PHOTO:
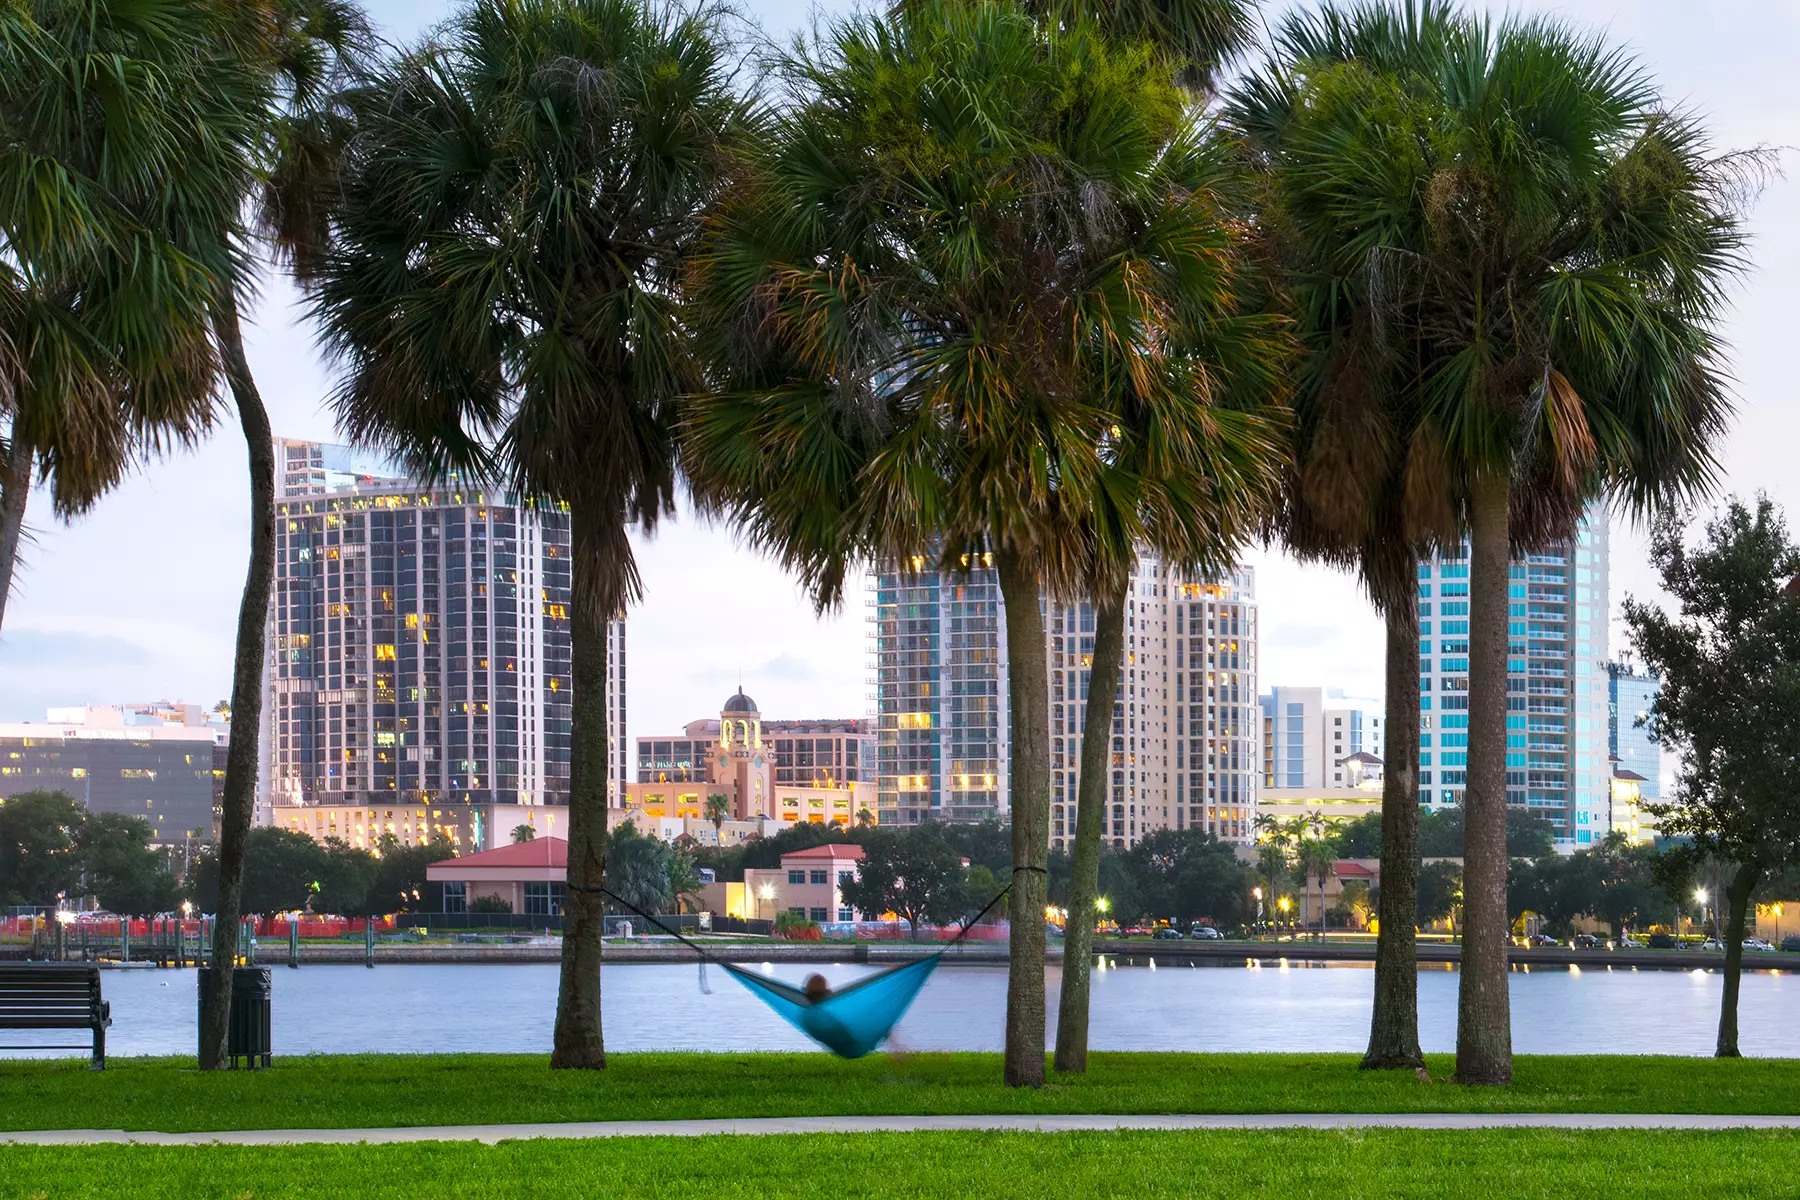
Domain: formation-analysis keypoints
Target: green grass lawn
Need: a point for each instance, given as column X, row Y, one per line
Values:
column 1144, row 1166
column 397, row 1089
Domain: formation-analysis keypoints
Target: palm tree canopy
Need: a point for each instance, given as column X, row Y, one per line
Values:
column 972, row 240
column 118, row 122
column 1200, row 36
column 1539, row 243
column 515, row 200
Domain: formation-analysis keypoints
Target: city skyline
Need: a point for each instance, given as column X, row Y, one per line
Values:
column 137, row 600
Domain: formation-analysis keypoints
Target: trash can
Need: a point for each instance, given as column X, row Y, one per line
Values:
column 249, row 1036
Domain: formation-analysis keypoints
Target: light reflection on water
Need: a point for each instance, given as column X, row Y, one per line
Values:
column 1293, row 1005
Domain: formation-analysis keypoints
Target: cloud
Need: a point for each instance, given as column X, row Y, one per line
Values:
column 66, row 650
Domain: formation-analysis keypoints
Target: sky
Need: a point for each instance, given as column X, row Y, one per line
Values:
column 138, row 600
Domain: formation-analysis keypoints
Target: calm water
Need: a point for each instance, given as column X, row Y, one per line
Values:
column 1301, row 1007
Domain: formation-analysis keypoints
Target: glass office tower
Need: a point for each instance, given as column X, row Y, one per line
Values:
column 1557, row 705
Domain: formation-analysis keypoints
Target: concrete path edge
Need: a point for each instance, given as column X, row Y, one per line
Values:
column 764, row 1126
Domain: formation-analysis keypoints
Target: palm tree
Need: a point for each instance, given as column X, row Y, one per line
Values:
column 515, row 204
column 1188, row 478
column 919, row 310
column 1546, row 244
column 303, row 53
column 718, row 810
column 1366, row 491
column 1271, row 853
column 1199, row 36
column 105, row 353
column 1315, row 859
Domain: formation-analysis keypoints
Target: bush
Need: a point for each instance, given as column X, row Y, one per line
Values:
column 490, row 904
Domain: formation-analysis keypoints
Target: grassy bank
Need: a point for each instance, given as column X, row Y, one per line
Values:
column 1287, row 1165
column 373, row 1090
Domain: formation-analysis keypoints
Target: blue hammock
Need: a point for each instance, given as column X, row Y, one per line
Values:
column 851, row 1021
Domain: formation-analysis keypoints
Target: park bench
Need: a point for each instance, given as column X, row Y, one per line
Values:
column 54, row 996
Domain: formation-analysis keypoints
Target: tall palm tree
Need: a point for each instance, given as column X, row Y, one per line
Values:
column 959, row 237
column 1188, row 480
column 515, row 203
column 302, row 54
column 1546, row 243
column 104, row 347
column 1367, row 491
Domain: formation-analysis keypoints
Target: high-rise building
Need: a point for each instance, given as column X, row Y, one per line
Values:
column 1306, row 745
column 1630, row 693
column 1556, row 718
column 1185, row 733
column 419, row 646
column 162, row 762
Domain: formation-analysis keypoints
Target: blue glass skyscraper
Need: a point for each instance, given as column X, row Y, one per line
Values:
column 1557, row 720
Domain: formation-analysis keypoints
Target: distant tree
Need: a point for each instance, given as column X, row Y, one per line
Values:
column 37, row 846
column 1440, row 891
column 979, row 887
column 1729, row 661
column 280, row 868
column 641, row 870
column 345, row 880
column 1527, row 834
column 1183, row 875
column 523, row 833
column 400, row 885
column 864, row 817
column 911, row 872
column 1357, row 902
column 985, row 843
column 1359, row 837
column 119, row 868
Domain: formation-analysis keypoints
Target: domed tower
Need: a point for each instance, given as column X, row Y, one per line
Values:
column 743, row 758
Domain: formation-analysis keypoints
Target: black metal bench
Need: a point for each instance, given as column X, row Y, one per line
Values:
column 54, row 996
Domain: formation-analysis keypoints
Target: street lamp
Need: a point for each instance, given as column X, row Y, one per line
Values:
column 1257, row 892
column 1283, row 904
column 1700, row 899
column 765, row 892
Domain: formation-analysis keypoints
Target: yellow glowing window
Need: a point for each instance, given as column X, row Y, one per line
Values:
column 384, row 653
column 136, row 773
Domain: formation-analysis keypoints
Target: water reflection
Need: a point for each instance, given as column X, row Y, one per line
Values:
column 1285, row 1004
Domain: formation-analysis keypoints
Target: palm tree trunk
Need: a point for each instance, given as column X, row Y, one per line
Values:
column 246, row 685
column 578, row 1041
column 1090, row 825
column 15, row 490
column 1484, row 1008
column 1028, row 694
column 1743, row 884
column 1394, row 1027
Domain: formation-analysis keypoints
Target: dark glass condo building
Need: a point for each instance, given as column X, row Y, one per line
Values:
column 419, row 642
column 167, row 775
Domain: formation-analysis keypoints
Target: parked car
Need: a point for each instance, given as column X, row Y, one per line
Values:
column 1166, row 934
column 1758, row 945
column 1541, row 939
column 1136, row 931
column 1791, row 943
column 1663, row 941
column 1586, row 941
column 1712, row 944
column 1206, row 933
column 1629, row 943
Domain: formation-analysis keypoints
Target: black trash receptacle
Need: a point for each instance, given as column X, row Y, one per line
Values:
column 249, row 1037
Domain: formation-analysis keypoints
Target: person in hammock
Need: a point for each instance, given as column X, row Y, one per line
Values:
column 816, row 988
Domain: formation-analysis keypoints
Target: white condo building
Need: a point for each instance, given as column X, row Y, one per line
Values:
column 1185, row 732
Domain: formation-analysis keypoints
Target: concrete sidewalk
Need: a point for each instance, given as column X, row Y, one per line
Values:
column 779, row 1125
